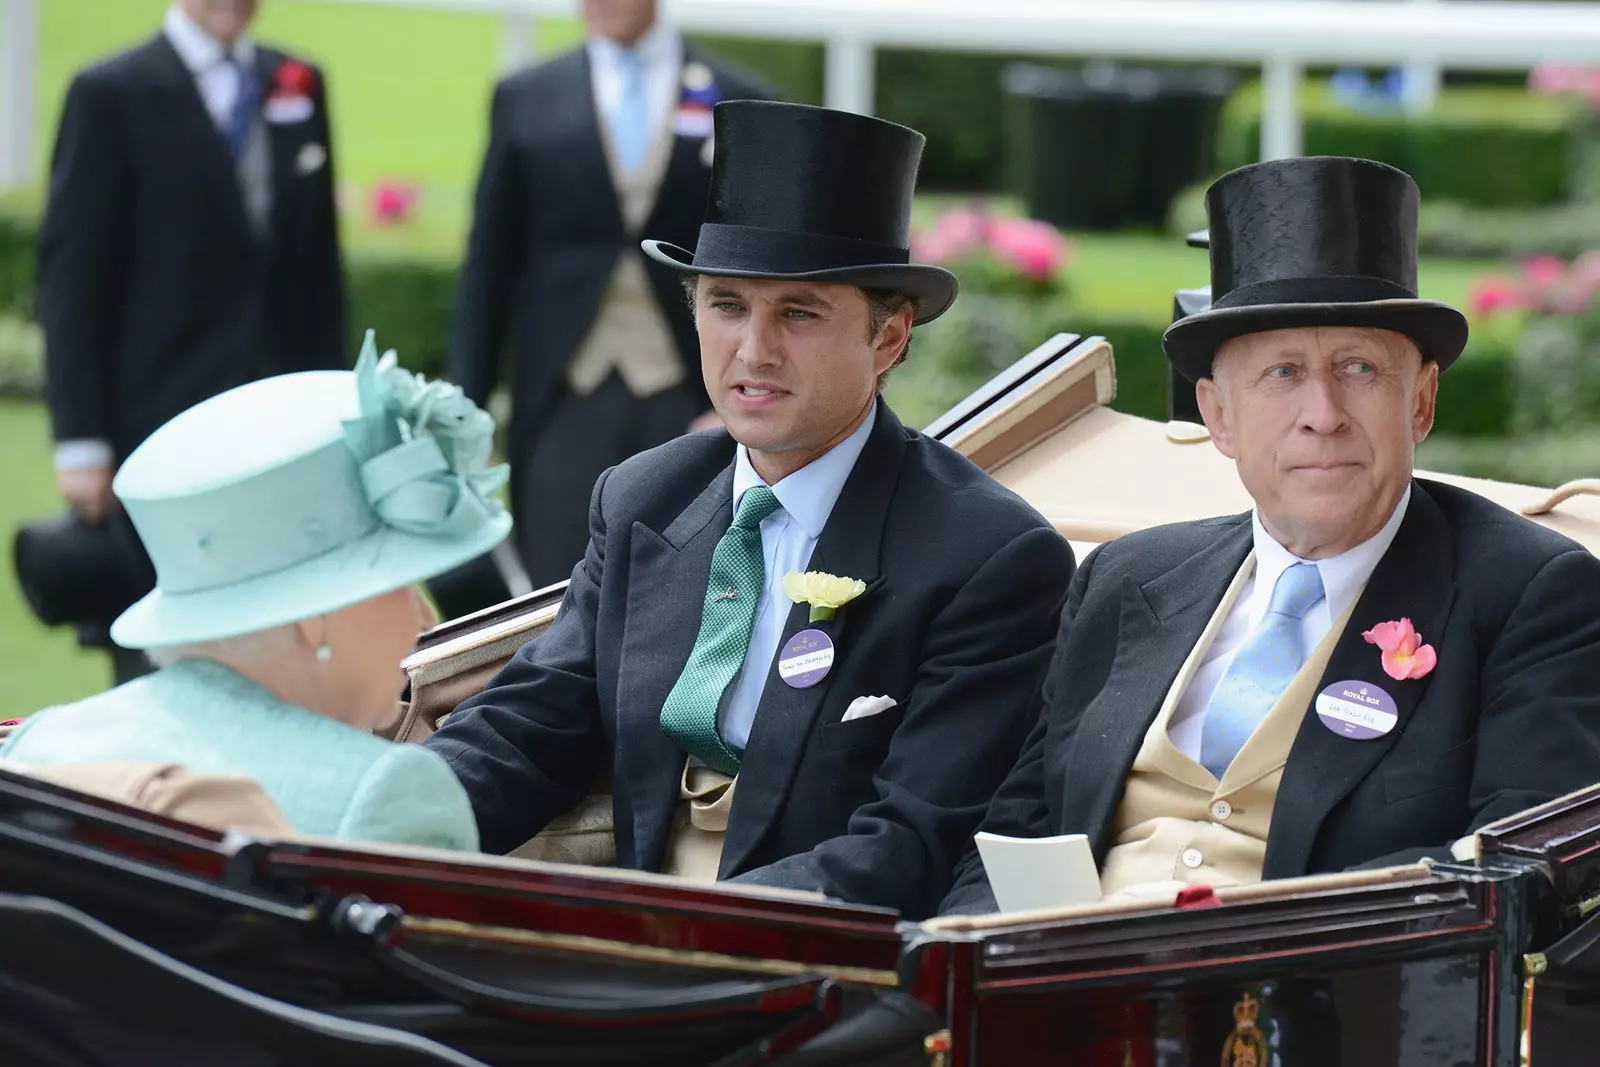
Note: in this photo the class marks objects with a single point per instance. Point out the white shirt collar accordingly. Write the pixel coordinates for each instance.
(198, 49)
(659, 44)
(1343, 576)
(808, 495)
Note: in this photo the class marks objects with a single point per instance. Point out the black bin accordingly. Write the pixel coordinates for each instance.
(1108, 146)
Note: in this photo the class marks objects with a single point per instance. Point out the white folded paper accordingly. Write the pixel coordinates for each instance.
(1039, 872)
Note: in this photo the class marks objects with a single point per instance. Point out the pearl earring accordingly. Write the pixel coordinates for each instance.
(324, 652)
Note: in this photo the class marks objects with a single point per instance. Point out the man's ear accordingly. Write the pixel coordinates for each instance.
(1214, 411)
(1425, 403)
(892, 338)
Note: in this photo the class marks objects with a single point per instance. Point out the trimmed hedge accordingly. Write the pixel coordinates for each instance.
(408, 302)
(1460, 230)
(1453, 230)
(954, 98)
(16, 265)
(1535, 459)
(1458, 151)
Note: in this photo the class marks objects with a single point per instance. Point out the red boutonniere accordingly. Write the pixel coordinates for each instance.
(1404, 654)
(294, 78)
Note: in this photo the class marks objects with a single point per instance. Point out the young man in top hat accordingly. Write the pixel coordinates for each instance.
(189, 245)
(840, 734)
(1364, 668)
(588, 153)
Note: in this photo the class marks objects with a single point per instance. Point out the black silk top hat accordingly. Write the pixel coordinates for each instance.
(71, 571)
(1314, 241)
(811, 194)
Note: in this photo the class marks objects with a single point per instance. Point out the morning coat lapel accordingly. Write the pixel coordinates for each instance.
(179, 97)
(587, 146)
(1159, 624)
(687, 169)
(284, 140)
(849, 547)
(1412, 580)
(666, 589)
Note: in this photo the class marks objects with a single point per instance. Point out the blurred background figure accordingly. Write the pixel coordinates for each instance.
(291, 521)
(587, 153)
(189, 245)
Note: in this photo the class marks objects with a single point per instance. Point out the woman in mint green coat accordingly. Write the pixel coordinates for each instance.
(290, 521)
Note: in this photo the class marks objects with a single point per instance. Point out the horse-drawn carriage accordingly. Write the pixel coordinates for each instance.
(127, 937)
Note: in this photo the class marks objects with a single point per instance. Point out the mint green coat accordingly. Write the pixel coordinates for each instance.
(328, 779)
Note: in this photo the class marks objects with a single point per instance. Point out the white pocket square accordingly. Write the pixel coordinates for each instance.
(861, 707)
(311, 158)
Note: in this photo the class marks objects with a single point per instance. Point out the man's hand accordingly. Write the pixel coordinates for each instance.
(708, 421)
(88, 491)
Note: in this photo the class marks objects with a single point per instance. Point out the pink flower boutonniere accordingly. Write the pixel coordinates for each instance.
(1404, 654)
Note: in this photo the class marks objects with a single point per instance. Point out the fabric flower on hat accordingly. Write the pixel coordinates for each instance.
(1404, 654)
(424, 449)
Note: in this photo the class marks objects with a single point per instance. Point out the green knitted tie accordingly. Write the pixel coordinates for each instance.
(738, 577)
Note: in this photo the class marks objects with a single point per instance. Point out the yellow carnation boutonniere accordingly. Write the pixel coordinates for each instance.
(826, 593)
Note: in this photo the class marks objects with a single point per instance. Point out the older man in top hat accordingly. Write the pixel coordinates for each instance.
(805, 646)
(1364, 668)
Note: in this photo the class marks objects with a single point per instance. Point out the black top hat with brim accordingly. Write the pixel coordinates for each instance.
(1314, 241)
(73, 571)
(811, 194)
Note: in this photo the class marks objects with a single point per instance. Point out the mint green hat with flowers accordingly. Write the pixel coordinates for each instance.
(298, 495)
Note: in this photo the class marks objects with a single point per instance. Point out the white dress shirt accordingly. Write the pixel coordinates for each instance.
(660, 51)
(218, 83)
(788, 537)
(204, 55)
(1343, 578)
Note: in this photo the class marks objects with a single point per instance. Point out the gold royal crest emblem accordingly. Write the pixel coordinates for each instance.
(1247, 1045)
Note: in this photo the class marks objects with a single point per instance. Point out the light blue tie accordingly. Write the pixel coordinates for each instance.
(629, 125)
(1261, 670)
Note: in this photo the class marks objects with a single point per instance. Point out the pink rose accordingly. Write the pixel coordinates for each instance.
(1492, 294)
(1404, 654)
(1035, 248)
(392, 202)
(1543, 271)
(962, 229)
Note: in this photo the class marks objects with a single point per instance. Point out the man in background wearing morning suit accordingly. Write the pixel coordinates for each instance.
(588, 153)
(189, 245)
